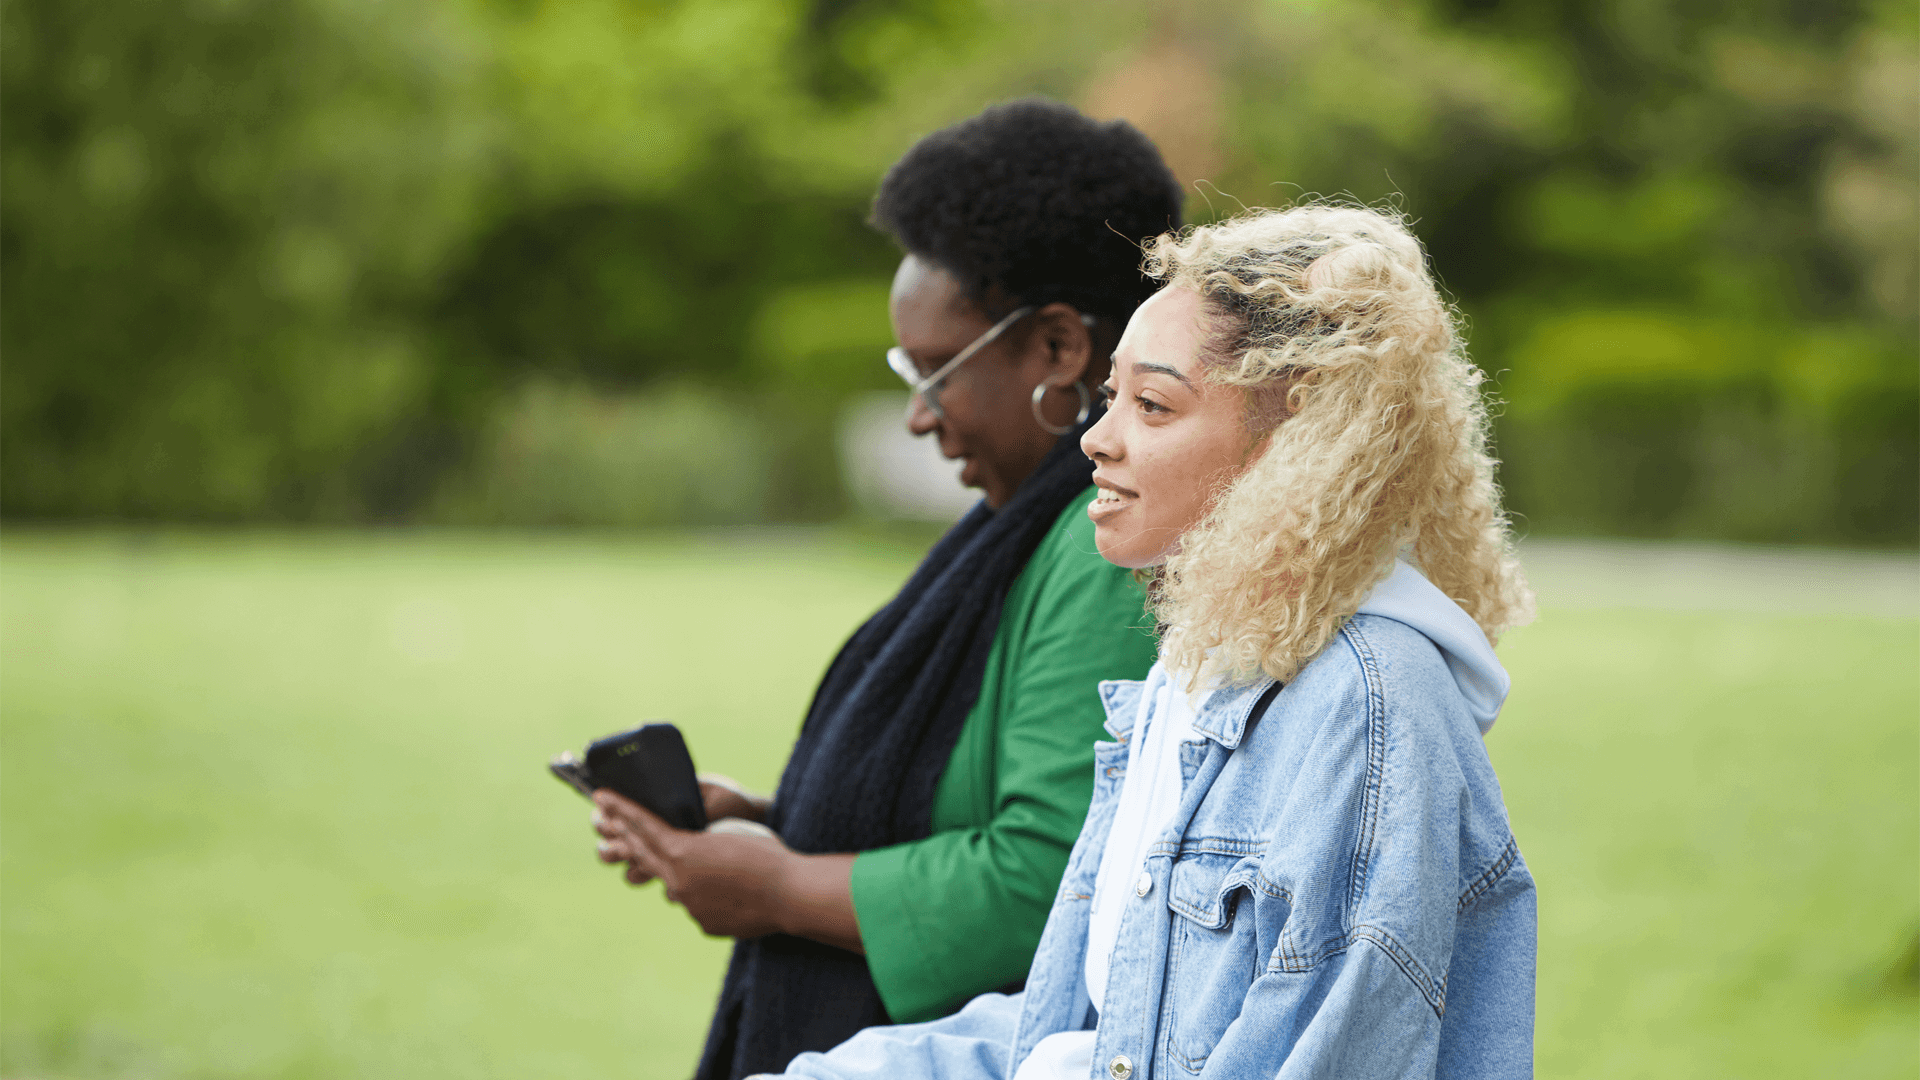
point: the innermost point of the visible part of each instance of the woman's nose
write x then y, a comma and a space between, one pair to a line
920, 419
1098, 443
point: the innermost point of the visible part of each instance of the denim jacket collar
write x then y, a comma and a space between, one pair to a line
1224, 716
1122, 700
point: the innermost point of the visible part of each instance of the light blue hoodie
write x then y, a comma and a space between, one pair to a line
1338, 895
1406, 596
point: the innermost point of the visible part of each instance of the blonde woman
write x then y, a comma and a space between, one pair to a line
1297, 862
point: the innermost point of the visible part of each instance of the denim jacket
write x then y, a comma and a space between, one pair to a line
1339, 895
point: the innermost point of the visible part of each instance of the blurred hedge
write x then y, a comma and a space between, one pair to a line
505, 261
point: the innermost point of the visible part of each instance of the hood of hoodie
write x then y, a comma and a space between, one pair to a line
1406, 596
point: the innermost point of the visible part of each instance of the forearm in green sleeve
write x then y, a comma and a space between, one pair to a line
956, 914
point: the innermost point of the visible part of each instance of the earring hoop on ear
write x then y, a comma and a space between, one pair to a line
1086, 407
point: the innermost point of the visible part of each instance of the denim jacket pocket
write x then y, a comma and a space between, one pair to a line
1217, 948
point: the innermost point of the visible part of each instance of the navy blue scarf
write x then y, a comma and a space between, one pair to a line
871, 752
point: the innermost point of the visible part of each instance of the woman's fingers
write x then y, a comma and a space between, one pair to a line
725, 877
641, 866
632, 819
643, 826
615, 807
636, 837
609, 827
613, 820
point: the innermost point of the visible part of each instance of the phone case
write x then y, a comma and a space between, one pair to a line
573, 773
651, 766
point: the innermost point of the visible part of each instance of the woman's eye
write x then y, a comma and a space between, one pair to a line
1148, 405
1105, 392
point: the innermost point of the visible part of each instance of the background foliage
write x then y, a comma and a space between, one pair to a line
337, 260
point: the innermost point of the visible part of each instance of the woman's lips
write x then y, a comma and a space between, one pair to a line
1110, 501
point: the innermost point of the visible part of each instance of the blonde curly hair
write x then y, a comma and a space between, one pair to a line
1376, 442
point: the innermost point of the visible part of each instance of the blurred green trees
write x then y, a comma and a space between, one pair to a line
220, 225
340, 260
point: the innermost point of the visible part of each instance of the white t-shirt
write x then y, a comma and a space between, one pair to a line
1149, 798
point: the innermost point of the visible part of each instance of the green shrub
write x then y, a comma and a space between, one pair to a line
1652, 424
566, 454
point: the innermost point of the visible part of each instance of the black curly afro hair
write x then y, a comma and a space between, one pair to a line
1031, 202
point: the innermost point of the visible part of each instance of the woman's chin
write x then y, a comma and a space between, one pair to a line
1123, 547
969, 472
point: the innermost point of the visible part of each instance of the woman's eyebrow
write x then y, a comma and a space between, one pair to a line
1143, 366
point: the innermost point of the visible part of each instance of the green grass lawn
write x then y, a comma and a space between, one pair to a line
276, 806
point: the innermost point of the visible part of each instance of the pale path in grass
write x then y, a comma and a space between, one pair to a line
1686, 576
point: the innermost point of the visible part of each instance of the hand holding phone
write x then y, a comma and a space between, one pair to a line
649, 765
736, 878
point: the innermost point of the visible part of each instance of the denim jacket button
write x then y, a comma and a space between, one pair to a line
1142, 888
1120, 1068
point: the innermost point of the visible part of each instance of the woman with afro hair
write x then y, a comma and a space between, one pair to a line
921, 826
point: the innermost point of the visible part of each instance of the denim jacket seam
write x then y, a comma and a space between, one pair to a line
1432, 989
1491, 876
1277, 891
1376, 763
1220, 845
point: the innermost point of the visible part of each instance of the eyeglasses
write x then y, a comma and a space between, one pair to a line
929, 388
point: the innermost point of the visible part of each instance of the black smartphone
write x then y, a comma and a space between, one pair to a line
649, 765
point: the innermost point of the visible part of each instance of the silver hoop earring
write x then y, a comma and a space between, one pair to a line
1086, 406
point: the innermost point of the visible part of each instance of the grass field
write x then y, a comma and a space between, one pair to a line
276, 806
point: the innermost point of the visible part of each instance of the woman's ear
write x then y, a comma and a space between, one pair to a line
1068, 341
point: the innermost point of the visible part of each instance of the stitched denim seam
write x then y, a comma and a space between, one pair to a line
1220, 845
1285, 957
1312, 958
1432, 990
1221, 890
1162, 1044
1298, 961
1274, 889
1376, 764
1491, 876
1173, 1015
1203, 917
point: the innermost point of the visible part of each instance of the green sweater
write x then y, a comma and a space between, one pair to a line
960, 913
